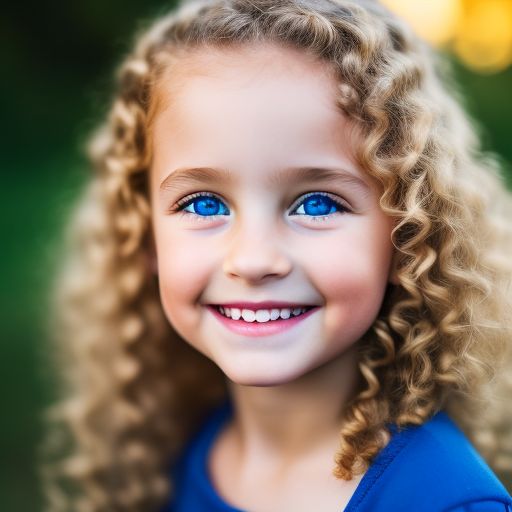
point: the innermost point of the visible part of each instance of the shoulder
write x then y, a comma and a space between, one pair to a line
441, 456
434, 467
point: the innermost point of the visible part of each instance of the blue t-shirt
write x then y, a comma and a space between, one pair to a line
427, 468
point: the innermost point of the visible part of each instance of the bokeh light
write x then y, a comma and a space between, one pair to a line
479, 32
434, 20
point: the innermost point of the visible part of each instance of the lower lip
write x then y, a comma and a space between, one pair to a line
256, 329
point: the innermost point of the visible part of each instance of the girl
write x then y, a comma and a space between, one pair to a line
288, 280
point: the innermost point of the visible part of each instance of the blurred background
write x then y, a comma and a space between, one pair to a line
58, 60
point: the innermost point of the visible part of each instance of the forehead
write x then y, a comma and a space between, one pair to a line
241, 65
261, 105
206, 82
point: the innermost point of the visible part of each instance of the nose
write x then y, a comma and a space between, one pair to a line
256, 253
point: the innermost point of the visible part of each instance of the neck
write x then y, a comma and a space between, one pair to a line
279, 425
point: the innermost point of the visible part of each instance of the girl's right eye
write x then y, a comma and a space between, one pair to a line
202, 204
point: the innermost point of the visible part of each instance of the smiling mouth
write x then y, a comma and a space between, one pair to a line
262, 315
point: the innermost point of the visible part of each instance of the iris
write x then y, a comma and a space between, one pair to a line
209, 206
319, 205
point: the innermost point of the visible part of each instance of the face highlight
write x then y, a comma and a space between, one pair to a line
256, 197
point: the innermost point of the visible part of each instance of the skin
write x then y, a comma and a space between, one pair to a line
257, 111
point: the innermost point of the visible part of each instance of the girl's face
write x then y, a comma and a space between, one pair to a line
253, 227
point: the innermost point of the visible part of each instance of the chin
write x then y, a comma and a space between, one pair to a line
260, 377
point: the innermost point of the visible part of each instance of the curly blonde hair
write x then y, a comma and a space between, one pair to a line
133, 392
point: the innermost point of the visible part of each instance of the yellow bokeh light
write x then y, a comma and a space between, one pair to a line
478, 31
434, 20
484, 35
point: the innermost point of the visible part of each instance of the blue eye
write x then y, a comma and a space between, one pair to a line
204, 205
319, 205
314, 204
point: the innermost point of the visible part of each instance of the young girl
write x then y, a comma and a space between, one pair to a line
288, 282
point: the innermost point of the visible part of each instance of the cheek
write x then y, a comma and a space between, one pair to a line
183, 259
182, 274
351, 272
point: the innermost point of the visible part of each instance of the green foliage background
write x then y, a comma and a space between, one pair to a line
56, 82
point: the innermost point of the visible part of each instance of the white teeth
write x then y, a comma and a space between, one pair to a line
261, 315
285, 313
274, 314
248, 315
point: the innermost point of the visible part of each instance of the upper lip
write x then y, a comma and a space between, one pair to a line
267, 304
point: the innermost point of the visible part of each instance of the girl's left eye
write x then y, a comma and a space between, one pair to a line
316, 205
319, 205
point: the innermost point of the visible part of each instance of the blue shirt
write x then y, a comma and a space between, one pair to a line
427, 468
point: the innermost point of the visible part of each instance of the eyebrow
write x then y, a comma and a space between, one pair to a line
199, 175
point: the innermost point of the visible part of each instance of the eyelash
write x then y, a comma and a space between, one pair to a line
188, 200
